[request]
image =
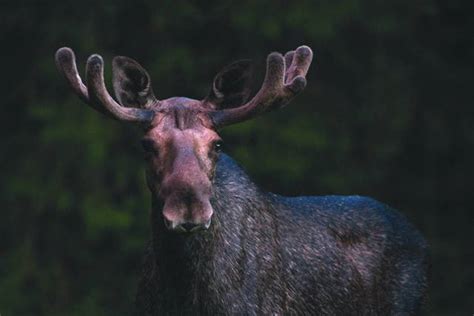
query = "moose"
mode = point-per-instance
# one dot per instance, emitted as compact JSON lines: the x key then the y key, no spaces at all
{"x":220,"y":245}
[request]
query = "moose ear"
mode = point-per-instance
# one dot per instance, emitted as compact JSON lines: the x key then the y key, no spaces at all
{"x":231,"y":86}
{"x":132,"y":83}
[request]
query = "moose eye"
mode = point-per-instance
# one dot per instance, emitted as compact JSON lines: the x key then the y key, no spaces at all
{"x":218,"y":146}
{"x":149,"y":146}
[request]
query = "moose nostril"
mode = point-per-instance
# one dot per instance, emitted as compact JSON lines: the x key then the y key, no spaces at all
{"x":189,"y":226}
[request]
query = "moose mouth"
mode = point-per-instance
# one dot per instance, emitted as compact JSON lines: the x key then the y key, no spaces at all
{"x":186,"y":227}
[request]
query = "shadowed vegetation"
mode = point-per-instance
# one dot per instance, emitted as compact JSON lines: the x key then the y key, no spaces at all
{"x":387,"y":113}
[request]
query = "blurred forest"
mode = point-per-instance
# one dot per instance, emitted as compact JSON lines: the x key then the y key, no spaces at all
{"x":387,"y":113}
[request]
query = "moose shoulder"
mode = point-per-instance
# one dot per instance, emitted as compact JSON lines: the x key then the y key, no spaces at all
{"x":222,"y":246}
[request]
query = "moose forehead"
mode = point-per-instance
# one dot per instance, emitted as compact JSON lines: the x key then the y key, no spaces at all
{"x":179,"y":114}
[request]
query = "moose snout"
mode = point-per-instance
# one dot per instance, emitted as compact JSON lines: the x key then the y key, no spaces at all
{"x":182,"y":214}
{"x":186,"y":193}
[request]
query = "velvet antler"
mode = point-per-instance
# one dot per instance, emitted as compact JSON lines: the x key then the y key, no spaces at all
{"x":95,"y":93}
{"x":284,"y":79}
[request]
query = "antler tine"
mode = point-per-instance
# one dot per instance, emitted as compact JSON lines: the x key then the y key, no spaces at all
{"x":284,"y":79}
{"x":95,"y":93}
{"x":288,"y":60}
{"x":66,"y":63}
{"x":98,"y":94}
{"x":300,"y":63}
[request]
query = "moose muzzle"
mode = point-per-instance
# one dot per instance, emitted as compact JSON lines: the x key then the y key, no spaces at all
{"x":187,"y":213}
{"x":187,"y":206}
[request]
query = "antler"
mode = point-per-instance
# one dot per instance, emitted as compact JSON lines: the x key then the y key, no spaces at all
{"x":95,"y":93}
{"x":284,"y":79}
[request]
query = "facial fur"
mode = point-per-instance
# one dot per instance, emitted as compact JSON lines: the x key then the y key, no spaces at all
{"x":181,"y":153}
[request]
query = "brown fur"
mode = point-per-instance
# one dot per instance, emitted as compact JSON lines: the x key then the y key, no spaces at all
{"x":181,"y":170}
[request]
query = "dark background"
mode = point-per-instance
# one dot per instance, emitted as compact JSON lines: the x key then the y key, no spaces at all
{"x":387,"y":113}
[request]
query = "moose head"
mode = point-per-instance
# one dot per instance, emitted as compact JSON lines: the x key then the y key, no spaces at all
{"x":181,"y":138}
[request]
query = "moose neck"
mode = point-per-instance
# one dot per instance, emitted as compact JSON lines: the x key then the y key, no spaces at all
{"x":190,"y":266}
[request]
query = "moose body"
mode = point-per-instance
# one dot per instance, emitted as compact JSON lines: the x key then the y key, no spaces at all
{"x":271,"y":255}
{"x":222,"y":246}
